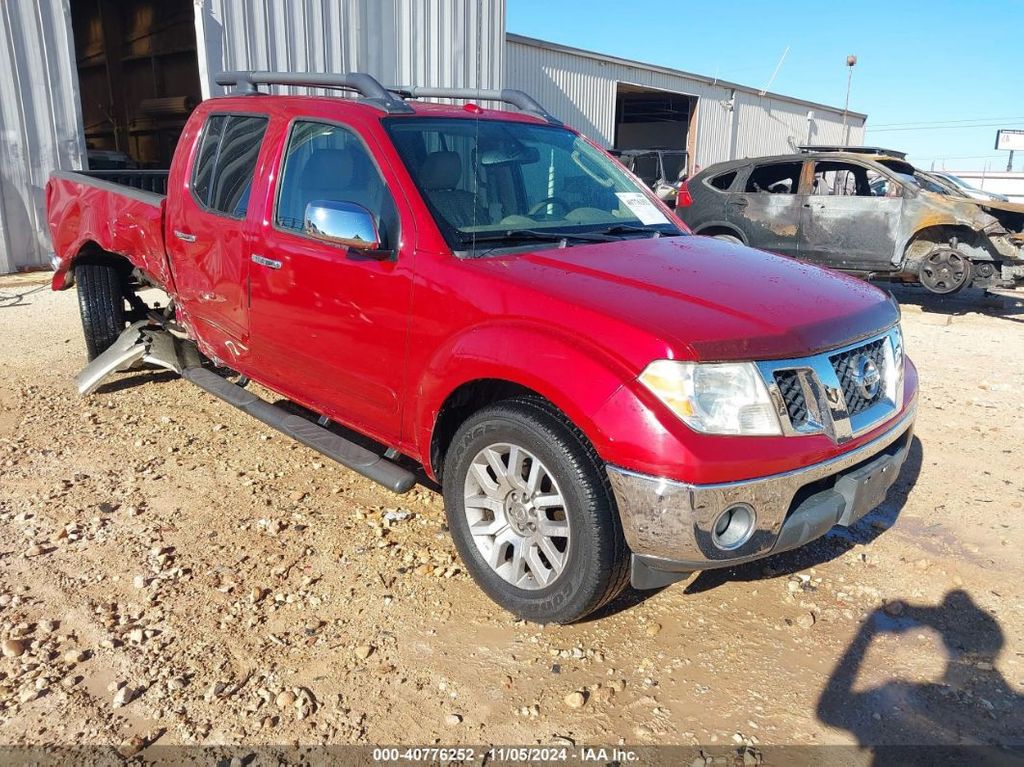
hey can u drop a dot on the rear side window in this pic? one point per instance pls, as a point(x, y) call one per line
point(723, 181)
point(226, 163)
point(778, 178)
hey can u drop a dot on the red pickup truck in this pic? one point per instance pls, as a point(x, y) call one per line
point(487, 298)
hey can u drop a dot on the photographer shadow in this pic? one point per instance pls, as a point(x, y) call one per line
point(971, 707)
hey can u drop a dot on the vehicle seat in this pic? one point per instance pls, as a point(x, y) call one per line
point(439, 175)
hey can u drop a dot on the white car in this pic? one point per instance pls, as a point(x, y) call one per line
point(966, 189)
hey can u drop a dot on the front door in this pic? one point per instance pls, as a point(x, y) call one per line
point(210, 253)
point(852, 217)
point(329, 323)
point(769, 207)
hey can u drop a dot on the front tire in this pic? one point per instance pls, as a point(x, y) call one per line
point(532, 514)
point(101, 304)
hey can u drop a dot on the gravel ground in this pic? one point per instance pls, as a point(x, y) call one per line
point(174, 572)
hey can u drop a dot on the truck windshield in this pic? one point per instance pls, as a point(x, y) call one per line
point(514, 183)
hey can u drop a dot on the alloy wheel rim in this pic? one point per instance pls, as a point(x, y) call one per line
point(517, 516)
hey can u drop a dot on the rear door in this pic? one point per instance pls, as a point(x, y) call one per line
point(852, 216)
point(210, 236)
point(768, 207)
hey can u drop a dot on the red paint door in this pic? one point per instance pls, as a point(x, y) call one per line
point(329, 324)
point(209, 240)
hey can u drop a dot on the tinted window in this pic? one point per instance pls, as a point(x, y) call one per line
point(779, 178)
point(724, 181)
point(226, 164)
point(328, 162)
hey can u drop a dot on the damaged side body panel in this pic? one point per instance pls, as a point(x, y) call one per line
point(870, 216)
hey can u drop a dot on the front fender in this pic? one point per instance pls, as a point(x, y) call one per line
point(573, 373)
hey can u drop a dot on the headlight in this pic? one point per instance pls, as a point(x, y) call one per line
point(716, 398)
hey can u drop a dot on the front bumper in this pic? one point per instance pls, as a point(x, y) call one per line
point(670, 526)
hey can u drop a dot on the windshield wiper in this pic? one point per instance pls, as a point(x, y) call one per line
point(510, 235)
point(629, 228)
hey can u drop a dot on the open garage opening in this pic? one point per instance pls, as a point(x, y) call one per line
point(138, 75)
point(658, 129)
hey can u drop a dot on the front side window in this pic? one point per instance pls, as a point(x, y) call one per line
point(487, 180)
point(777, 178)
point(325, 161)
point(226, 162)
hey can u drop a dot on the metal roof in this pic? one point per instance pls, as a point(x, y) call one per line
point(523, 40)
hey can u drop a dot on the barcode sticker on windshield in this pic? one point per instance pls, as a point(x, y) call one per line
point(642, 208)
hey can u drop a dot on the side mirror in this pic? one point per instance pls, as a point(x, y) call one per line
point(342, 223)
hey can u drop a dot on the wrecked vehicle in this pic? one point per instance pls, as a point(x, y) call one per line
point(867, 212)
point(663, 170)
point(486, 298)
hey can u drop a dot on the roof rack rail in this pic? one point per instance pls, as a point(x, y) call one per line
point(363, 84)
point(522, 101)
point(805, 148)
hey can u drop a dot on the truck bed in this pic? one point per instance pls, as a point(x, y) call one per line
point(114, 211)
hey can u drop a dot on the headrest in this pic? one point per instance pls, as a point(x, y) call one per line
point(441, 170)
point(328, 170)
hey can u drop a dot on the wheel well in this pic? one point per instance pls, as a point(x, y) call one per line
point(464, 402)
point(92, 253)
point(711, 231)
point(972, 244)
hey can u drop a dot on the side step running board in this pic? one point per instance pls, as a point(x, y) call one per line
point(345, 452)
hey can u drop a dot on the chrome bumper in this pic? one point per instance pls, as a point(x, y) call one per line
point(671, 525)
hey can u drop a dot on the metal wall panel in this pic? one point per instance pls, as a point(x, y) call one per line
point(732, 121)
point(40, 122)
point(456, 43)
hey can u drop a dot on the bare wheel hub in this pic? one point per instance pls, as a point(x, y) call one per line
point(517, 516)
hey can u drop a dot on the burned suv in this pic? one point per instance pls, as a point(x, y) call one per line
point(864, 211)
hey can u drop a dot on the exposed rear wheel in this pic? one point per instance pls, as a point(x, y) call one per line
point(531, 513)
point(945, 270)
point(101, 304)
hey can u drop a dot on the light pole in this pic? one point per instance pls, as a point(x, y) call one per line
point(851, 62)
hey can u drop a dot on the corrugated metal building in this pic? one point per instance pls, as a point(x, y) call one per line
point(628, 104)
point(103, 82)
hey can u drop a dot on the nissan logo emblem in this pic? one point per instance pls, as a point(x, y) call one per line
point(866, 376)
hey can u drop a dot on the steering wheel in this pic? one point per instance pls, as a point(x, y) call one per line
point(554, 202)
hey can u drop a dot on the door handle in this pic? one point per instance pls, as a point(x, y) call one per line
point(270, 263)
point(184, 236)
point(740, 203)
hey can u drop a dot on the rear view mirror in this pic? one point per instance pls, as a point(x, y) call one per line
point(342, 223)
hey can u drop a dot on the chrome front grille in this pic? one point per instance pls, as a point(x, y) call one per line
point(845, 364)
point(793, 396)
point(841, 393)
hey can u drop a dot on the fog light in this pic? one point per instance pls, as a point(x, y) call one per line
point(733, 527)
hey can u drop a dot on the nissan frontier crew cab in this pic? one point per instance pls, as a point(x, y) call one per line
point(486, 294)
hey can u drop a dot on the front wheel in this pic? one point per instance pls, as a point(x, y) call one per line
point(532, 514)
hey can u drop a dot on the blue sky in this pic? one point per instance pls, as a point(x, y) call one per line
point(927, 72)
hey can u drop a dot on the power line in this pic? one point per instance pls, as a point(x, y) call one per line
point(949, 122)
point(935, 127)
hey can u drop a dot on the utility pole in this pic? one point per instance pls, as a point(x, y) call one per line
point(851, 62)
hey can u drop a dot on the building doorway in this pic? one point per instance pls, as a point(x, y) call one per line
point(138, 79)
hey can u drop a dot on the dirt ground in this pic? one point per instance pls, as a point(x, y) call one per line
point(173, 571)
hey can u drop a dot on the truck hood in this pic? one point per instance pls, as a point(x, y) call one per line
point(707, 299)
